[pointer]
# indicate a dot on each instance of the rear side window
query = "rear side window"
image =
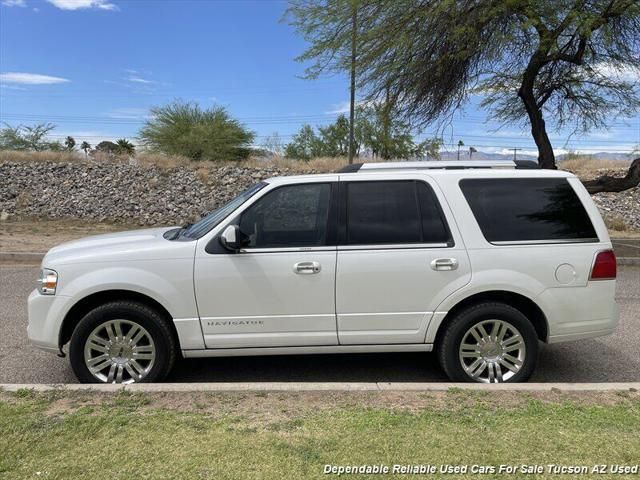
(393, 212)
(528, 210)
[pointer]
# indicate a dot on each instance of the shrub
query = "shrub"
(182, 128)
(26, 138)
(106, 147)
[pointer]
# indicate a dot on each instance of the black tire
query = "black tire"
(153, 322)
(448, 347)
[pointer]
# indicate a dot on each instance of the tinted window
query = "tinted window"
(291, 216)
(528, 209)
(214, 218)
(393, 212)
(434, 228)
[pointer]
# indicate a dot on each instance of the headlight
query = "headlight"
(47, 282)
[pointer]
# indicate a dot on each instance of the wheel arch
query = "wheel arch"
(518, 301)
(88, 303)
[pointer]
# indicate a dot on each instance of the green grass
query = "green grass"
(132, 436)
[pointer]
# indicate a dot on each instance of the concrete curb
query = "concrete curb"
(324, 387)
(32, 258)
(629, 261)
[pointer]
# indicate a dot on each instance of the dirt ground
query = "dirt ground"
(41, 235)
(283, 405)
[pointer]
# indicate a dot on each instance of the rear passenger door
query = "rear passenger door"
(399, 255)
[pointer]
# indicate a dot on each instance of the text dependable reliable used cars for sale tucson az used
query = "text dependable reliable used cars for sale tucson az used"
(478, 261)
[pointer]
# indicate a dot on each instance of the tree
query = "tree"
(334, 138)
(304, 145)
(607, 183)
(23, 137)
(69, 143)
(569, 60)
(460, 145)
(388, 136)
(107, 147)
(376, 130)
(85, 147)
(125, 147)
(273, 144)
(183, 128)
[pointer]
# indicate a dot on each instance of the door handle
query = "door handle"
(306, 268)
(444, 264)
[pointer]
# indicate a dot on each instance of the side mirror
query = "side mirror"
(230, 238)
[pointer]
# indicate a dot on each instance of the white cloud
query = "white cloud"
(344, 107)
(30, 78)
(14, 3)
(129, 113)
(137, 79)
(83, 4)
(620, 71)
(141, 79)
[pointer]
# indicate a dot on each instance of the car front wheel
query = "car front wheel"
(122, 342)
(489, 343)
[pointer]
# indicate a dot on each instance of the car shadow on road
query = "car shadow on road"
(556, 363)
(371, 367)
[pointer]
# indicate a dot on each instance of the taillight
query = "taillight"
(604, 268)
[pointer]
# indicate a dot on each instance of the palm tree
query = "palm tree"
(125, 147)
(85, 147)
(69, 143)
(460, 144)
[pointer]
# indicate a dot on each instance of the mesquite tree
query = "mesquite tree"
(572, 63)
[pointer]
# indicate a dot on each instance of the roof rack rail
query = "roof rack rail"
(438, 165)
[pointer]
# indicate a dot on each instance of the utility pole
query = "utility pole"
(514, 152)
(352, 106)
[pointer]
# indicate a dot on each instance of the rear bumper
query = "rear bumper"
(581, 312)
(579, 336)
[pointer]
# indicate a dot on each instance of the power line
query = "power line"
(282, 120)
(258, 120)
(450, 148)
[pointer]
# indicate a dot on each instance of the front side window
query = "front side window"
(528, 210)
(393, 212)
(289, 216)
(210, 221)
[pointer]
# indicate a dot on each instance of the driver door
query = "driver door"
(279, 289)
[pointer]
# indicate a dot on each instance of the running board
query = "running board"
(314, 350)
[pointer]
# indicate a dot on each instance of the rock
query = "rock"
(125, 193)
(133, 193)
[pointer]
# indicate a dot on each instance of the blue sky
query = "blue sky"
(95, 67)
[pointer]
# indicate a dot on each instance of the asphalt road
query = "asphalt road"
(615, 358)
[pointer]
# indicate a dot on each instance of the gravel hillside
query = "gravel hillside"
(151, 195)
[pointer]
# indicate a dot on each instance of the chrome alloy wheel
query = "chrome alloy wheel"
(119, 351)
(492, 351)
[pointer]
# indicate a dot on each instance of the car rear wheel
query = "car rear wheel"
(489, 343)
(122, 342)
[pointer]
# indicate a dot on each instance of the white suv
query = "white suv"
(478, 261)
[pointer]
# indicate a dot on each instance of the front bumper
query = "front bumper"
(46, 313)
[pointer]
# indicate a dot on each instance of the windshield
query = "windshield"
(208, 222)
